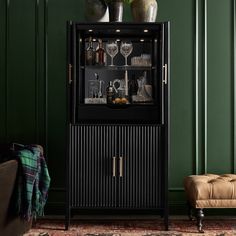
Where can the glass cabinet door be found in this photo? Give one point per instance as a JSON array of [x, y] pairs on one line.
[[118, 66]]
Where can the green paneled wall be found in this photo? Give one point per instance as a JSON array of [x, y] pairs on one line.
[[21, 68], [182, 85], [33, 84], [220, 84]]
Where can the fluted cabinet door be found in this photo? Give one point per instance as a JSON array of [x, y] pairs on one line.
[[91, 165], [139, 166]]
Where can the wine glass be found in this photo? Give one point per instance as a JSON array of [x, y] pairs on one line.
[[112, 50], [125, 49]]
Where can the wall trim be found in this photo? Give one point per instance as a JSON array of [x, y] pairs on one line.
[[176, 208], [57, 189], [46, 74], [234, 81], [196, 87], [6, 68], [205, 86], [37, 71], [176, 189]]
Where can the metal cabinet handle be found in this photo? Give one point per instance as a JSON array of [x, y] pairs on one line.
[[165, 76], [114, 167], [69, 71], [121, 166]]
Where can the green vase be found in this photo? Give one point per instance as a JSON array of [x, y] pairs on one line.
[[144, 10]]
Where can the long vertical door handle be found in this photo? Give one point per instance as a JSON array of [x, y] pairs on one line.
[[166, 73], [121, 166], [114, 167], [70, 71]]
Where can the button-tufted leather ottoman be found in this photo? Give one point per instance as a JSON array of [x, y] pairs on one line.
[[209, 191]]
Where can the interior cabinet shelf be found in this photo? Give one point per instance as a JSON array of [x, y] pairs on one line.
[[122, 67], [119, 105]]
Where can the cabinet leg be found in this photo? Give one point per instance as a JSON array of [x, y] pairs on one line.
[[162, 213], [190, 211], [200, 216], [67, 218], [166, 224], [166, 219]]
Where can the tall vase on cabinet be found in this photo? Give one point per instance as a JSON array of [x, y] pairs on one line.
[[115, 10], [144, 10]]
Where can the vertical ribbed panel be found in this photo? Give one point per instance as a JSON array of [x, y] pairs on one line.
[[92, 150], [140, 186]]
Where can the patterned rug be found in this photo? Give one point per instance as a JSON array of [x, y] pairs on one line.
[[132, 228]]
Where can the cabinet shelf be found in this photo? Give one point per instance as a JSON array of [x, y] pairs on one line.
[[116, 67], [118, 105], [139, 112]]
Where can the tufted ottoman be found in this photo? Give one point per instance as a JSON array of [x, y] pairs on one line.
[[209, 191]]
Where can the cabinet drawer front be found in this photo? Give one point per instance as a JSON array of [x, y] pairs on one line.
[[91, 165], [140, 150]]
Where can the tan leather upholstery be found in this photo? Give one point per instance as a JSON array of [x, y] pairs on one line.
[[211, 191]]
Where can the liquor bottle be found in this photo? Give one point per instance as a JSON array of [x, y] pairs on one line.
[[133, 86], [110, 93], [100, 54], [90, 53]]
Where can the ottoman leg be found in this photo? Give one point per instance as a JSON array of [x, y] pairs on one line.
[[200, 216], [190, 211]]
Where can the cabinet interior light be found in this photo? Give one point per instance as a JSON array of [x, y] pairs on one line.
[[117, 30], [90, 30], [145, 31]]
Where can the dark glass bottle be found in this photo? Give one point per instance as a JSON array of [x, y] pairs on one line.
[[110, 93], [90, 53], [100, 54], [133, 86]]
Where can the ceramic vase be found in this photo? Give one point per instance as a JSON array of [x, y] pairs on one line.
[[116, 11], [144, 10], [96, 11]]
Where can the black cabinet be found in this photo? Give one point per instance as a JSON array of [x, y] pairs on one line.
[[116, 166], [139, 177], [118, 117], [93, 149]]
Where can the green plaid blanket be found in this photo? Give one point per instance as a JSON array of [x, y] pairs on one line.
[[33, 182]]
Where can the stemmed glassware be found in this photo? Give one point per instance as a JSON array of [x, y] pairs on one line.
[[112, 50], [125, 49]]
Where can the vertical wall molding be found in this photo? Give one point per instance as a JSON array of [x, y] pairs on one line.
[[46, 73], [205, 86], [37, 71], [6, 67], [196, 86], [234, 81]]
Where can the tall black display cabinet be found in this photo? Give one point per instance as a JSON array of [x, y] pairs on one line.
[[118, 117]]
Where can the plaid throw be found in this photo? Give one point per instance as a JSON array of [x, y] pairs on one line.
[[33, 182]]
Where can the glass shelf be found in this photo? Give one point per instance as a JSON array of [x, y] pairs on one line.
[[118, 105], [95, 67]]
